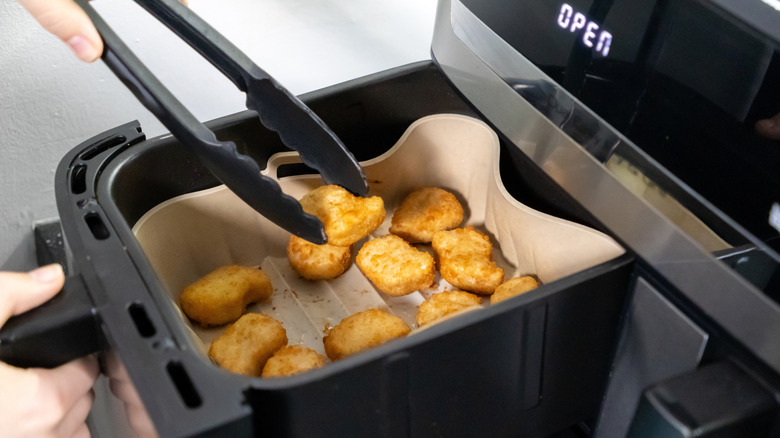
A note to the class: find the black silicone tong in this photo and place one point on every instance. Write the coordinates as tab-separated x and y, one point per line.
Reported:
298	127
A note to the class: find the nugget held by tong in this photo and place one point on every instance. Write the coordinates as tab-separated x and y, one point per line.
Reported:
346	218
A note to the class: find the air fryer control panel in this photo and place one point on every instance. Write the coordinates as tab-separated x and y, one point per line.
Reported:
685	80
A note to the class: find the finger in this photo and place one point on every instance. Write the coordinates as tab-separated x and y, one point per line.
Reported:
134	409
140	422
769	128
114	367
81	432
70	23
124	391
68	383
76	417
18	402
20	292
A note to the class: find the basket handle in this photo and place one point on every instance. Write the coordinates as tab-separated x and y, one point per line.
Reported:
54	333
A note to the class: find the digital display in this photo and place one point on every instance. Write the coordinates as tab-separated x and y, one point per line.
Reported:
575	21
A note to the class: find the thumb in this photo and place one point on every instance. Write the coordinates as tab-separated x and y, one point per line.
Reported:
66	20
20	292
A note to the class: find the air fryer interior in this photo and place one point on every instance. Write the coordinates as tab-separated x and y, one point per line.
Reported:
189	236
370	122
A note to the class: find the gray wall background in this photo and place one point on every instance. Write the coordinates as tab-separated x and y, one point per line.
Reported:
50	102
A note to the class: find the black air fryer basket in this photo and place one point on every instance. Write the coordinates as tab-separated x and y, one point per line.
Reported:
532	366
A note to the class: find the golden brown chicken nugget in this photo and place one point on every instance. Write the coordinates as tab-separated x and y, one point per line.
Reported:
424	212
221	296
513	287
394	266
346	218
466	260
362	331
292	359
318	262
444	303
248	343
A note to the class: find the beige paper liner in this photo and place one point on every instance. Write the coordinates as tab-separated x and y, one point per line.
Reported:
188	236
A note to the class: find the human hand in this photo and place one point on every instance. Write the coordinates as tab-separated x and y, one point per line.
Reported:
66	20
122	387
769	128
37	402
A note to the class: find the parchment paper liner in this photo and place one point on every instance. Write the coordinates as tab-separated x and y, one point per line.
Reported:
188	236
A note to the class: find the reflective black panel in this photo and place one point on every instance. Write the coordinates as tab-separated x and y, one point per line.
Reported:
684	80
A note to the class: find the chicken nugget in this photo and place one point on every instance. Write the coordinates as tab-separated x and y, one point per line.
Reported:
292	359
444	303
346	218
221	296
466	260
394	266
424	212
513	287
318	262
248	343
362	331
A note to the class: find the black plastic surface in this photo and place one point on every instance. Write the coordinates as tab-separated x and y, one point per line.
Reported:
719	400
128	314
60	330
755	266
50	244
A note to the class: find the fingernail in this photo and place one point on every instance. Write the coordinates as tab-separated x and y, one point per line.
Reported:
83	48
46	274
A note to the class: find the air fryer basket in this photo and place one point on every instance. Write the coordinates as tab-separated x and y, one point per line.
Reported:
531	366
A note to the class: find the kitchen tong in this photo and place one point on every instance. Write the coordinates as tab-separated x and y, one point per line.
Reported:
298	127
